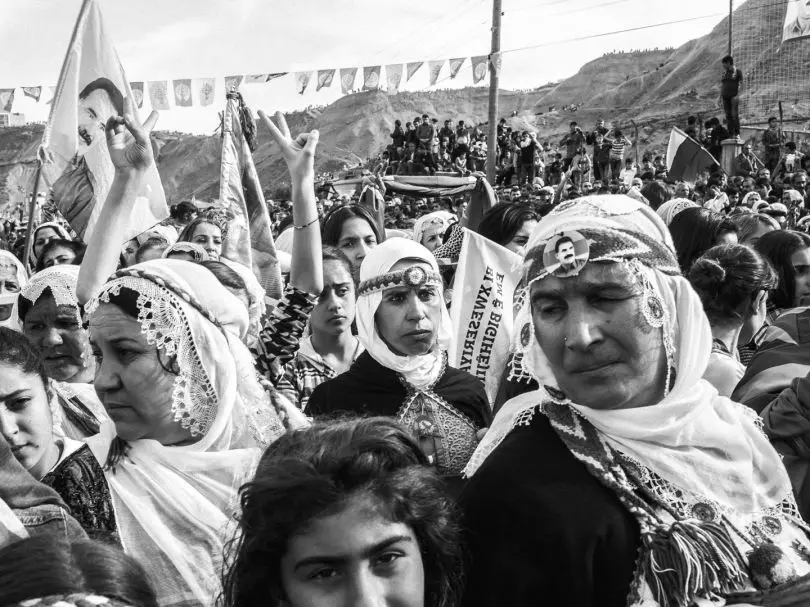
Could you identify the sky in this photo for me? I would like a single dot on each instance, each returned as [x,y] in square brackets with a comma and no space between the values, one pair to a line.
[172,39]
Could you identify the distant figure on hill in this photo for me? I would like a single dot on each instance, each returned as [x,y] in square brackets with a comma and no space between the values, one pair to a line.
[729,92]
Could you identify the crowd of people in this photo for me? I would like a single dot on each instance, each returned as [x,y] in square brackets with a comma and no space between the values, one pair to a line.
[170,436]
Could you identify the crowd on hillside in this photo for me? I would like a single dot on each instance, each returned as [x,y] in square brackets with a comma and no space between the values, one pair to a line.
[177,428]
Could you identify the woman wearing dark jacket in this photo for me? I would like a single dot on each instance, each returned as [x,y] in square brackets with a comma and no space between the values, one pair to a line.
[405,328]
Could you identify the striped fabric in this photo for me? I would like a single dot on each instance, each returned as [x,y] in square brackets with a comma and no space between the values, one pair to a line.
[777,386]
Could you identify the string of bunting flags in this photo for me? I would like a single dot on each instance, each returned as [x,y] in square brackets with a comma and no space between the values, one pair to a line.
[187,92]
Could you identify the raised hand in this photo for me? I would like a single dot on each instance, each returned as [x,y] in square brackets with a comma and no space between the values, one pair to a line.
[298,153]
[128,140]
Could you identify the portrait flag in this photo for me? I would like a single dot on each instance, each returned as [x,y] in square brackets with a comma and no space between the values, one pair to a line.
[206,90]
[137,93]
[159,95]
[481,314]
[412,69]
[496,60]
[302,81]
[479,67]
[276,75]
[455,66]
[6,99]
[250,239]
[371,78]
[255,78]
[35,92]
[393,75]
[347,78]
[325,78]
[797,20]
[232,83]
[182,92]
[435,69]
[686,158]
[76,163]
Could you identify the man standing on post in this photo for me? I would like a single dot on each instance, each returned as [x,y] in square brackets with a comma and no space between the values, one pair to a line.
[729,91]
[573,141]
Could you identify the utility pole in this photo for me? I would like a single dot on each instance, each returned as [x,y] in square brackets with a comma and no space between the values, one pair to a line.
[730,23]
[492,139]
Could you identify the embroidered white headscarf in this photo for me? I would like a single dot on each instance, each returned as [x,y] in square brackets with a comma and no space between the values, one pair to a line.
[56,227]
[9,261]
[174,503]
[436,219]
[671,208]
[420,371]
[695,439]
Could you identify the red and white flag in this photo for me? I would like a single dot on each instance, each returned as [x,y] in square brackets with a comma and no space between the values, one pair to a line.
[76,163]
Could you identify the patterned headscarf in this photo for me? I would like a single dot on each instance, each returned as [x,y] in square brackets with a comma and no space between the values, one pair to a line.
[71,600]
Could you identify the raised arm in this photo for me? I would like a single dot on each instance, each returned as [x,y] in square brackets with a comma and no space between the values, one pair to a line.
[306,272]
[131,155]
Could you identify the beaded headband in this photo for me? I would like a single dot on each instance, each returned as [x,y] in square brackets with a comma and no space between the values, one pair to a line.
[413,277]
[71,600]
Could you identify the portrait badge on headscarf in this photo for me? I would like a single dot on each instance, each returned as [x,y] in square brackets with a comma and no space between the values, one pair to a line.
[566,254]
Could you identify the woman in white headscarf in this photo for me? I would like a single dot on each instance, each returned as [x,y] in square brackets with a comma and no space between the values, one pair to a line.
[625,479]
[42,235]
[13,279]
[404,325]
[51,319]
[190,418]
[429,229]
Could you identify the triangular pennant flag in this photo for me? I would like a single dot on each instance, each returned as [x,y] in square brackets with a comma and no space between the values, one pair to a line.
[76,161]
[182,92]
[232,83]
[435,70]
[347,78]
[455,66]
[52,90]
[32,91]
[371,78]
[137,93]
[325,78]
[302,81]
[206,90]
[394,76]
[255,78]
[412,67]
[276,75]
[159,95]
[6,99]
[250,239]
[479,66]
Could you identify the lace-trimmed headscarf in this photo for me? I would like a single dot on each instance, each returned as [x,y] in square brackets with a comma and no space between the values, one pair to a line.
[56,227]
[9,261]
[60,281]
[440,220]
[173,503]
[420,371]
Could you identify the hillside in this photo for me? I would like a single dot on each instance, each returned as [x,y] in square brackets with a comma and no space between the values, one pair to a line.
[655,89]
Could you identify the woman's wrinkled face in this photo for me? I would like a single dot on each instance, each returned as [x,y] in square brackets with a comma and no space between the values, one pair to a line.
[9,285]
[601,350]
[26,421]
[58,256]
[356,240]
[209,237]
[334,312]
[43,237]
[57,332]
[408,319]
[132,384]
[432,237]
[521,237]
[800,261]
[354,558]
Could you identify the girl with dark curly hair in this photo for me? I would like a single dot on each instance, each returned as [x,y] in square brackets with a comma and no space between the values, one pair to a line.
[345,513]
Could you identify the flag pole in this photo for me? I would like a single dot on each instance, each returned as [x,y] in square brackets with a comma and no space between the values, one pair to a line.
[730,23]
[492,140]
[29,229]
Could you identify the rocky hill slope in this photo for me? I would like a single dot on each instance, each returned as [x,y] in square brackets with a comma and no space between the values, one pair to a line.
[654,89]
